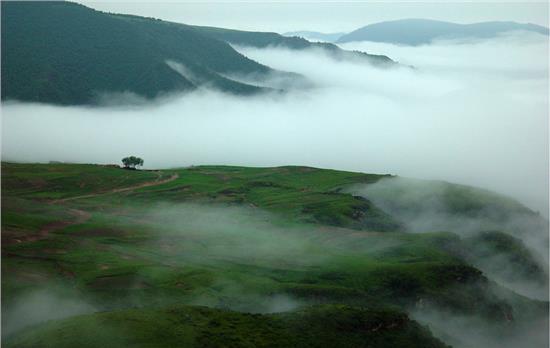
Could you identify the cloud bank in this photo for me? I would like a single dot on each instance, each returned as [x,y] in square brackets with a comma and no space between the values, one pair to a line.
[471,112]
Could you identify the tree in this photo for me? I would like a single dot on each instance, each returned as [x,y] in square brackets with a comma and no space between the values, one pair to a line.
[132,162]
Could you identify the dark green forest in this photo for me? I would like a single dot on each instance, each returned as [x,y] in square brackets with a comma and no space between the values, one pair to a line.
[66,53]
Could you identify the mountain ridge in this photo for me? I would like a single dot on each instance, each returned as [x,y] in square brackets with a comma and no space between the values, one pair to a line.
[418,31]
[270,39]
[65,53]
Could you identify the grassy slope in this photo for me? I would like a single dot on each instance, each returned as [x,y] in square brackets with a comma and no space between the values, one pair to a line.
[506,249]
[423,205]
[130,253]
[322,326]
[51,181]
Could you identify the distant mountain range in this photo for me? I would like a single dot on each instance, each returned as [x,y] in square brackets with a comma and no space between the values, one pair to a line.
[66,53]
[316,36]
[419,31]
[423,31]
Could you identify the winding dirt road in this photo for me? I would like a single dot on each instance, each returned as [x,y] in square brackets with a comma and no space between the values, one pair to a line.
[82,216]
[118,190]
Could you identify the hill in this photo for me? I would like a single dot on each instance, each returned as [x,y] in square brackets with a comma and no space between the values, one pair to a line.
[423,31]
[494,249]
[264,40]
[335,326]
[123,249]
[66,53]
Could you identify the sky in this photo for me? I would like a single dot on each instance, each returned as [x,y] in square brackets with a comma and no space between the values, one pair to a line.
[324,16]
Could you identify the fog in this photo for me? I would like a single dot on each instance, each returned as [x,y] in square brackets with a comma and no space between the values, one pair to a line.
[472,332]
[425,205]
[428,206]
[214,233]
[229,247]
[471,112]
[49,303]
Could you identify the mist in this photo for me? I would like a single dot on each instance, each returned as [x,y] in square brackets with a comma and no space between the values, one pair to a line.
[215,240]
[427,206]
[471,332]
[471,112]
[51,302]
[216,233]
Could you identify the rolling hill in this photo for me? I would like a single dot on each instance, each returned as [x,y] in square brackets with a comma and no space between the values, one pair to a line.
[281,256]
[205,327]
[423,31]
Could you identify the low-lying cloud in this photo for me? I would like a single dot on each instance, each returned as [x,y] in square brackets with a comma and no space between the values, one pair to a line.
[473,113]
[48,303]
[428,206]
[472,332]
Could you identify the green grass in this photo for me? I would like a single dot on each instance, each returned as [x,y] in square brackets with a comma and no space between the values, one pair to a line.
[300,193]
[53,181]
[321,326]
[507,251]
[231,238]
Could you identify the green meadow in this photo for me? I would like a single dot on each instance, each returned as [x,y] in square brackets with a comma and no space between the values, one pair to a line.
[222,256]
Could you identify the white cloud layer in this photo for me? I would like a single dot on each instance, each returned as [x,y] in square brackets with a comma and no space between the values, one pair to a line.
[473,113]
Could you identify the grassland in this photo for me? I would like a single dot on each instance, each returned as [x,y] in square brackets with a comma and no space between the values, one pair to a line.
[280,256]
[320,326]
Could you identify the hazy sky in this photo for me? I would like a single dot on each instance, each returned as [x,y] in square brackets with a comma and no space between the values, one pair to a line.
[325,16]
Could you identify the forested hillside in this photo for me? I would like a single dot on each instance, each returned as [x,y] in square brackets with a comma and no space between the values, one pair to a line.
[66,53]
[264,40]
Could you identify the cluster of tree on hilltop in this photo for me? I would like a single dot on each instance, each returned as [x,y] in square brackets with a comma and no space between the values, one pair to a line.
[132,162]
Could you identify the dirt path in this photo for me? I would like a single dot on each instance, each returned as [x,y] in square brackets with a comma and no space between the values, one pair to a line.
[82,216]
[117,190]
